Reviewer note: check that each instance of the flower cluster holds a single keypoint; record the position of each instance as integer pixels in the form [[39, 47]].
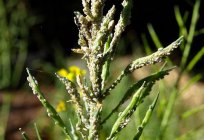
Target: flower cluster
[[61, 106], [71, 73]]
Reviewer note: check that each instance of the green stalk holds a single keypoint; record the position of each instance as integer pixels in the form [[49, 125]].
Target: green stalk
[[4, 114], [180, 22], [123, 117], [50, 110], [19, 66], [4, 48], [195, 17], [105, 71], [167, 114], [37, 131], [192, 111], [154, 36], [195, 59], [146, 118], [24, 135]]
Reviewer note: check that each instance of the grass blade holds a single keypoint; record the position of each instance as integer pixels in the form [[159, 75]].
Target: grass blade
[[154, 36], [50, 109], [199, 32], [123, 117], [4, 113], [190, 36], [191, 81], [156, 40], [37, 131], [147, 48], [152, 78], [25, 137], [146, 118], [191, 134], [192, 111], [180, 22], [195, 59], [73, 131]]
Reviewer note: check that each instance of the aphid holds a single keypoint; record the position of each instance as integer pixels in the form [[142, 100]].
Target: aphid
[[160, 49]]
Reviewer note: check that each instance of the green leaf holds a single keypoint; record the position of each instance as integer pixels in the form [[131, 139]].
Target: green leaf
[[37, 132], [190, 82], [50, 109], [180, 22], [167, 113], [192, 111], [73, 131], [192, 133], [154, 58], [194, 20], [123, 117], [105, 71], [154, 36], [156, 40], [147, 48], [4, 113], [195, 59], [25, 137], [150, 79], [146, 118], [199, 32]]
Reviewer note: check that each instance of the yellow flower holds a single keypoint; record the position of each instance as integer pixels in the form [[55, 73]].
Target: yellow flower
[[71, 77], [61, 106], [63, 73], [66, 74], [76, 70], [72, 72]]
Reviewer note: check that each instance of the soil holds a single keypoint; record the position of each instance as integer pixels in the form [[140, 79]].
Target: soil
[[24, 108]]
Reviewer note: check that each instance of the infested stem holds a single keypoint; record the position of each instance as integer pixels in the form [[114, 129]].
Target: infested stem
[[156, 57], [98, 39]]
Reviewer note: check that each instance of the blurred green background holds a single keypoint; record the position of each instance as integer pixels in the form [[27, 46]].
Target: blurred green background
[[40, 34]]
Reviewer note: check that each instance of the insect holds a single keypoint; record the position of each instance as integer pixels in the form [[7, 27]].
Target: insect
[[160, 49]]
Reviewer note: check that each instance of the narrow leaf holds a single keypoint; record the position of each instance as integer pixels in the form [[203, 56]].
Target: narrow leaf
[[146, 118], [4, 113], [191, 82], [154, 36], [105, 71], [75, 97], [154, 58], [150, 79], [192, 111], [25, 137], [194, 20], [37, 131], [199, 32], [123, 117], [147, 48], [195, 59], [167, 113], [50, 109], [156, 40], [180, 22], [73, 131], [192, 133]]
